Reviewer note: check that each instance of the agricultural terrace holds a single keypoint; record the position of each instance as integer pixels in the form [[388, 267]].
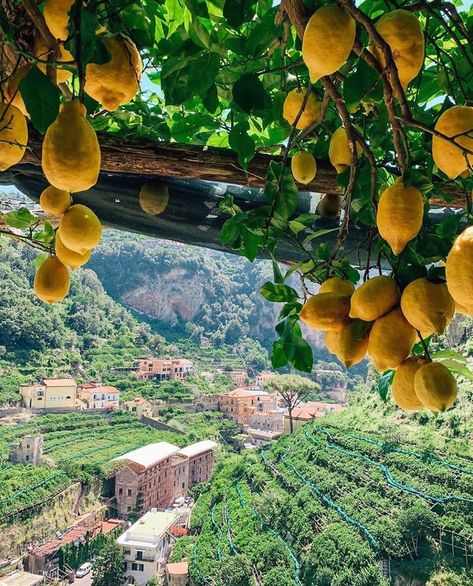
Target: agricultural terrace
[[325, 502]]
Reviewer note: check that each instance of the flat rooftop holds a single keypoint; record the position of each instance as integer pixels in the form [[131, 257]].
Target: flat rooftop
[[198, 448], [149, 455], [21, 579], [148, 530]]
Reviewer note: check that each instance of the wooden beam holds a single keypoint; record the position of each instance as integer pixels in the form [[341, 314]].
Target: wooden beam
[[184, 161]]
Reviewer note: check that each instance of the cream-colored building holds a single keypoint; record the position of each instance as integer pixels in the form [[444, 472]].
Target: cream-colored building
[[50, 394], [146, 546], [139, 407], [177, 574], [97, 396]]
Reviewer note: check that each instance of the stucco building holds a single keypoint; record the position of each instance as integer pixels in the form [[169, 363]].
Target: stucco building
[[146, 546], [156, 474], [311, 410], [97, 396], [239, 377], [27, 450], [139, 407], [50, 394], [177, 574], [162, 369], [240, 403]]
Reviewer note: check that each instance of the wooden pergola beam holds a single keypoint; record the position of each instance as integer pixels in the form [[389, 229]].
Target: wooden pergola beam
[[183, 161]]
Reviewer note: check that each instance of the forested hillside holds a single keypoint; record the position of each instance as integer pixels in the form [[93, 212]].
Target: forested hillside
[[326, 505]]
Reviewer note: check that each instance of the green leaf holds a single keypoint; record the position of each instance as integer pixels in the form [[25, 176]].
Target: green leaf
[[278, 357], [384, 384], [278, 293], [249, 93], [41, 97], [318, 234], [38, 261], [450, 354], [210, 100], [21, 218], [197, 7], [363, 84], [242, 143], [46, 235], [237, 12]]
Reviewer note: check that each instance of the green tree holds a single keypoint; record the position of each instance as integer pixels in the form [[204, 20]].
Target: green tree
[[108, 568], [293, 389], [279, 576]]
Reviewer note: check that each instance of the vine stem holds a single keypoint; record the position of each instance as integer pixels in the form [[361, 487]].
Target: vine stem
[[424, 346]]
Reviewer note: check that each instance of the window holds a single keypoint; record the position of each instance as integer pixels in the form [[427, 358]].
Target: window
[[128, 509], [120, 491], [137, 567], [126, 551], [129, 492], [139, 555]]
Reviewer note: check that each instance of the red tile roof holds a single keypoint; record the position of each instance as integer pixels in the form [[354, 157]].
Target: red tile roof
[[178, 569], [59, 382]]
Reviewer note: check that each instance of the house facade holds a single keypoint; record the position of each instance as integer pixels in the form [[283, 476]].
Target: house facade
[[97, 396], [177, 574], [139, 407], [50, 394], [311, 410], [240, 403], [201, 459], [146, 546], [239, 377], [163, 369]]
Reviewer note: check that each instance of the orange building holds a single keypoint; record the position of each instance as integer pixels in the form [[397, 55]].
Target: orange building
[[311, 410], [239, 377], [162, 369], [240, 403]]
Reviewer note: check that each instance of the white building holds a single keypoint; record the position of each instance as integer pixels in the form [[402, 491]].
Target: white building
[[146, 546]]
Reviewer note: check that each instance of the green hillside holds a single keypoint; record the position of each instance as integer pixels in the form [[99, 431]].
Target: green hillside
[[325, 506]]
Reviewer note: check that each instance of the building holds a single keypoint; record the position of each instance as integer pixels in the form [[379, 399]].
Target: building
[[157, 474], [177, 574], [162, 369], [311, 410], [97, 396], [27, 450], [147, 479], [240, 403], [201, 460], [264, 427], [262, 377], [50, 394], [20, 578], [146, 546], [139, 407], [239, 377]]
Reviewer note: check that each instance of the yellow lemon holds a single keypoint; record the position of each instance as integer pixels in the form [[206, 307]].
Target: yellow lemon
[[69, 257], [339, 151], [326, 311], [56, 15], [51, 281], [459, 270], [337, 285], [117, 81], [13, 88], [328, 40], [427, 306], [400, 213], [41, 51], [391, 340], [293, 103], [303, 167], [79, 229], [154, 198], [351, 342], [435, 386], [54, 201], [374, 298], [402, 389], [13, 135], [455, 122], [403, 33], [330, 339], [71, 152]]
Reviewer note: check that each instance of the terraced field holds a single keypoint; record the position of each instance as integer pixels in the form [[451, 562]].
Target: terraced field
[[326, 506]]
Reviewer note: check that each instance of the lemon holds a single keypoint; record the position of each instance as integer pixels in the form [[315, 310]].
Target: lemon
[[56, 15], [51, 281], [303, 167], [459, 270], [391, 340], [328, 40], [54, 201], [403, 33], [71, 152], [427, 306], [13, 135], [449, 158], [402, 389], [330, 339], [400, 213], [351, 343], [117, 81], [41, 51], [154, 198], [374, 298], [79, 229], [13, 88], [68, 257], [339, 151], [293, 103], [326, 311], [435, 386], [337, 285]]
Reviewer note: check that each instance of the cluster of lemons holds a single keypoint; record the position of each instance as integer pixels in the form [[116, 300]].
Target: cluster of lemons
[[70, 153]]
